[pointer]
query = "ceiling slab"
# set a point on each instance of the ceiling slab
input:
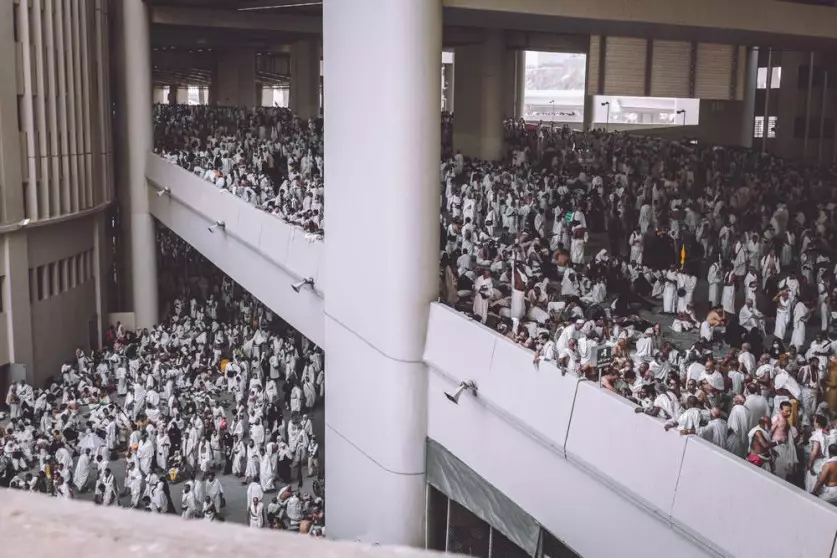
(749, 22)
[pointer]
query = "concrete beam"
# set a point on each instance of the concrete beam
(230, 19)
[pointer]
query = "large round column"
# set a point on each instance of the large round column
(381, 57)
(137, 107)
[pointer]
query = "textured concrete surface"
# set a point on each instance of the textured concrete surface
(34, 525)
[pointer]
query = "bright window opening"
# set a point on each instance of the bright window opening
(555, 84)
(758, 130)
(646, 111)
(775, 80)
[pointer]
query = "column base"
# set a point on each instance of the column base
(376, 423)
(368, 503)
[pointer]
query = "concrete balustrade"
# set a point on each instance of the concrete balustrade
(582, 463)
(258, 250)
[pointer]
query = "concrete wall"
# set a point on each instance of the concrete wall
(574, 456)
(258, 250)
(61, 321)
(788, 103)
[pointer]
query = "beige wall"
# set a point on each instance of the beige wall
(55, 178)
(60, 322)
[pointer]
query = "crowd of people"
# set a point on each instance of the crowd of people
(706, 272)
(265, 156)
(215, 402)
(702, 276)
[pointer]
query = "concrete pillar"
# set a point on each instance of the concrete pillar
(514, 81)
(202, 94)
(478, 122)
(213, 89)
(18, 305)
(377, 170)
(237, 78)
(749, 116)
(173, 95)
(137, 105)
(305, 79)
(520, 84)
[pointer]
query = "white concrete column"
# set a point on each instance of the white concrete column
(478, 84)
(237, 78)
(137, 105)
(386, 171)
(305, 79)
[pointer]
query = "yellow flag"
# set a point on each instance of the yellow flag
(682, 256)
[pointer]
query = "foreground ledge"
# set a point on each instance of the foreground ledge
(34, 525)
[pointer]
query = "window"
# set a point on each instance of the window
(555, 86)
(62, 276)
(88, 264)
(758, 131)
(552, 547)
(41, 273)
(659, 111)
(52, 279)
(775, 80)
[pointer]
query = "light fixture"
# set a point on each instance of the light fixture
(163, 192)
(467, 385)
(25, 222)
(218, 225)
(309, 281)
